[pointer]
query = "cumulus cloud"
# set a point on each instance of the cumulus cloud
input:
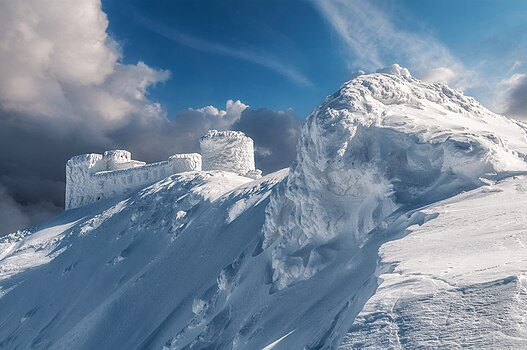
(372, 39)
(57, 61)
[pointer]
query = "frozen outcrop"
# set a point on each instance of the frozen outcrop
(94, 177)
(229, 151)
(382, 142)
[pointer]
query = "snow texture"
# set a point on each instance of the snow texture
(457, 281)
(94, 177)
(404, 207)
(228, 151)
(384, 141)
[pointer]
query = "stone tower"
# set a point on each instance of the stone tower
(229, 151)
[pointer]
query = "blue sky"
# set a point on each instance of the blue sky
(292, 34)
(287, 54)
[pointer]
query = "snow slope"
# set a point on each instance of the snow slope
(404, 202)
(457, 281)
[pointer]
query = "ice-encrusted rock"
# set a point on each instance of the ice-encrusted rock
(381, 142)
(228, 151)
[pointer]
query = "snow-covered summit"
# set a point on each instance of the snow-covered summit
(382, 142)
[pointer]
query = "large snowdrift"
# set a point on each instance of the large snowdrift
(215, 260)
(381, 143)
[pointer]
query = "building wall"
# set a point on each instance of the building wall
(93, 177)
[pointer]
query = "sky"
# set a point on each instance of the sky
(291, 54)
(152, 76)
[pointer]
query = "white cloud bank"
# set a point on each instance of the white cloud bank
(57, 61)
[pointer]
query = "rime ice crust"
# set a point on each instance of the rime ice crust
(381, 142)
(229, 151)
(94, 177)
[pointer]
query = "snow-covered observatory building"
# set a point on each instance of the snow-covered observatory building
(229, 151)
(93, 177)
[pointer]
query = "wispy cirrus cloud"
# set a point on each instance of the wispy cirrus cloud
(372, 40)
(255, 56)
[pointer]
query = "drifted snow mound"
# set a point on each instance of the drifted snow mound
(382, 142)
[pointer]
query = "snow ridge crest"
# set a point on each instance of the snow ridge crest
(383, 141)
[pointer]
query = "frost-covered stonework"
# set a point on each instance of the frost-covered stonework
(94, 177)
(229, 151)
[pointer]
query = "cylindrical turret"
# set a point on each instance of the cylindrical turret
(228, 151)
(116, 157)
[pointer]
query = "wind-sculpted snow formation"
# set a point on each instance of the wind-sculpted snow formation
(388, 193)
(382, 142)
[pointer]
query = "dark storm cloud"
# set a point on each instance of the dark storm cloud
(275, 134)
(32, 159)
(515, 100)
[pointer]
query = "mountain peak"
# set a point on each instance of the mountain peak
(381, 143)
(370, 213)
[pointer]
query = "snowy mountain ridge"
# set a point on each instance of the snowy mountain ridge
(383, 142)
(404, 201)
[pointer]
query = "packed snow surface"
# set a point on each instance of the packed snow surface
(404, 207)
(457, 281)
